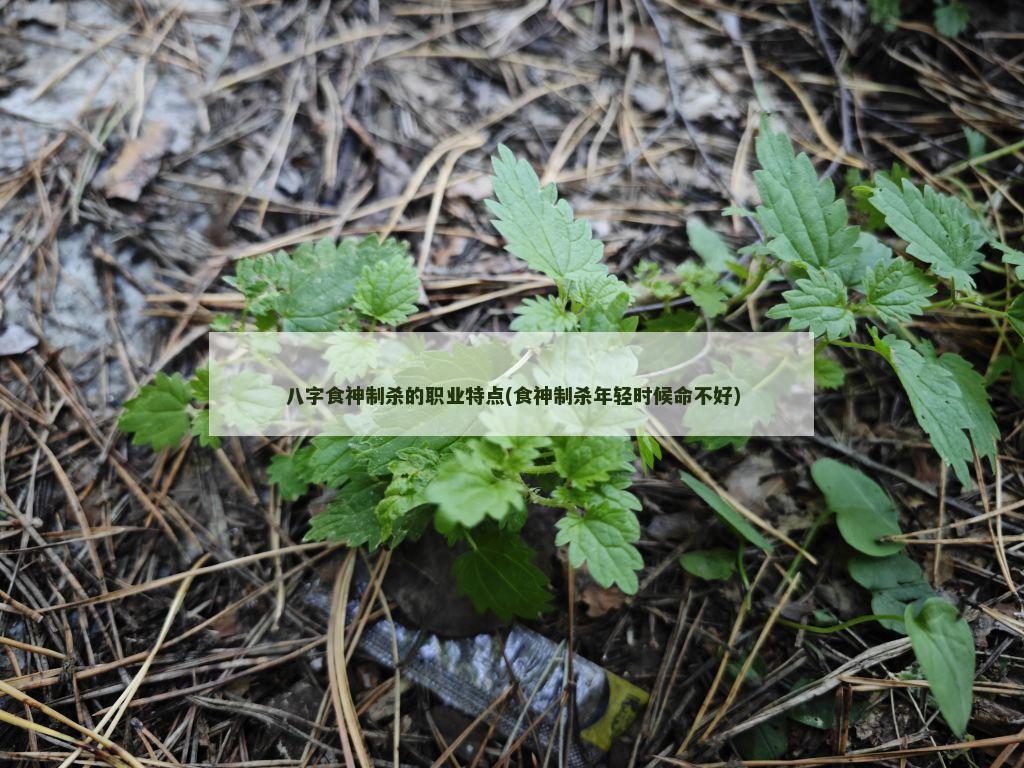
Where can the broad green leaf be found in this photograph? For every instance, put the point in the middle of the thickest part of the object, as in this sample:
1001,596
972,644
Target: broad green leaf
939,403
894,582
251,402
538,227
602,538
828,374
981,425
951,18
466,490
543,313
765,741
158,416
897,290
588,461
818,302
498,575
710,564
349,517
864,512
709,245
801,215
387,291
733,518
944,647
939,230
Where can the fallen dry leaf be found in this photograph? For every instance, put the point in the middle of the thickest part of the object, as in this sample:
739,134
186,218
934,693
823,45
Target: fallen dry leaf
136,164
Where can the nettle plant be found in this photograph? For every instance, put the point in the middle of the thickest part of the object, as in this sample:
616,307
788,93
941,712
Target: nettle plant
477,491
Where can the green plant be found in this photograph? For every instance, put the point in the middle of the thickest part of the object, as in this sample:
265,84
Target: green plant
849,289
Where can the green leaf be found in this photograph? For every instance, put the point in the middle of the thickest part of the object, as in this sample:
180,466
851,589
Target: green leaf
765,741
290,472
498,575
801,215
710,564
699,283
158,416
894,583
939,229
312,288
828,374
590,460
709,245
466,489
411,473
733,518
602,538
819,303
897,290
543,313
199,386
945,411
944,647
387,291
885,12
349,518
1015,315
1011,257
981,425
200,429
951,19
864,512
538,227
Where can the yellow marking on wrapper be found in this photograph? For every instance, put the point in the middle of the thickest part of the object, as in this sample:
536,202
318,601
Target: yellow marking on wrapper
625,701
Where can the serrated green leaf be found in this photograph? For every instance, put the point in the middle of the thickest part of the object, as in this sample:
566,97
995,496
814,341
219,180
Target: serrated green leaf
591,460
980,425
944,647
1015,315
543,313
387,291
199,386
818,302
939,229
466,489
158,416
200,428
411,473
602,538
290,472
349,517
498,575
699,283
538,227
894,582
710,564
733,518
828,374
801,215
1012,257
951,18
897,290
938,403
864,512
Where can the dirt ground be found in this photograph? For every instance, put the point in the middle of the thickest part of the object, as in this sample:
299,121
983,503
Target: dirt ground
146,146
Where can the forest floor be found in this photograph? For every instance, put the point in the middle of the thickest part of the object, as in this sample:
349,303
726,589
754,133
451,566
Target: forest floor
145,147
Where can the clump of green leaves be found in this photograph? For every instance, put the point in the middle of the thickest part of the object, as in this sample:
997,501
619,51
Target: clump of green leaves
951,18
941,638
